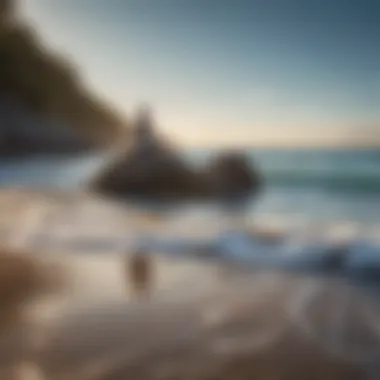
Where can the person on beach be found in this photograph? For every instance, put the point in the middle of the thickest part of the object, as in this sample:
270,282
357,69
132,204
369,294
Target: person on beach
139,274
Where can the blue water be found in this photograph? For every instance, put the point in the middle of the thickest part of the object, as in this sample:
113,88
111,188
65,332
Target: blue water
307,184
325,185
53,172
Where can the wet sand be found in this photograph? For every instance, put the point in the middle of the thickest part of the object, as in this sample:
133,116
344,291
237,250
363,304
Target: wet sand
198,323
72,221
199,319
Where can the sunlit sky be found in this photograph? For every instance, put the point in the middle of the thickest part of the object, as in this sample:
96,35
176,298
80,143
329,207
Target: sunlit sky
239,72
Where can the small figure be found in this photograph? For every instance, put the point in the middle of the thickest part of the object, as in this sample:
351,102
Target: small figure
139,273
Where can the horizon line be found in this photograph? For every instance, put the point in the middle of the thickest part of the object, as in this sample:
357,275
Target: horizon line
284,146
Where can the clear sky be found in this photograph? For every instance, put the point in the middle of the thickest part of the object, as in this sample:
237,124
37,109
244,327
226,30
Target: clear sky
241,72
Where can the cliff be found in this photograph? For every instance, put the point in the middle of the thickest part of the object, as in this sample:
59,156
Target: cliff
44,106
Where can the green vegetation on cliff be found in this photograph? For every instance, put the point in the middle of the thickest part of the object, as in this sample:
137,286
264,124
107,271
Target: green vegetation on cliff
48,85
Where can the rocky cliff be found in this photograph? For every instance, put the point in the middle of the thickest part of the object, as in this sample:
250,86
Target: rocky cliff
44,105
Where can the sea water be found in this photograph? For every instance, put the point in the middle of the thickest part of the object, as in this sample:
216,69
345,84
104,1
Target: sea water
326,188
308,185
316,185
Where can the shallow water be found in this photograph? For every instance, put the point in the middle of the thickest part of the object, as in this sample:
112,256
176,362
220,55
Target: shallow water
306,218
44,171
302,185
325,185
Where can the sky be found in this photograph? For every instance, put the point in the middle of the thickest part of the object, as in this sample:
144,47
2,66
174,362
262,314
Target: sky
229,72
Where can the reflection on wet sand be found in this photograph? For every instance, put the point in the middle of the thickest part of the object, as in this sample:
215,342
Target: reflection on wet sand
24,279
197,324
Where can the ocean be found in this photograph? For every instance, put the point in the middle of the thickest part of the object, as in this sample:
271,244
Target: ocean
304,185
319,185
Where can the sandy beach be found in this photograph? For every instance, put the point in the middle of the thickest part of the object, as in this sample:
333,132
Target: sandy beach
201,318
205,321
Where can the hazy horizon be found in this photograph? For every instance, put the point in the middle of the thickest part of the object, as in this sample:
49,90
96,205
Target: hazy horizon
241,73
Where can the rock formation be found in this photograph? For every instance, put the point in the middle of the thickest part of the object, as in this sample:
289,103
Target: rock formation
152,168
45,107
149,168
232,176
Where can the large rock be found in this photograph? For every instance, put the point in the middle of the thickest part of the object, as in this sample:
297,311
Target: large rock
154,169
154,173
232,176
161,172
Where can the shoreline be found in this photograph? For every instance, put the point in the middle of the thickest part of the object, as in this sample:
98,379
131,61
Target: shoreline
82,216
79,223
216,313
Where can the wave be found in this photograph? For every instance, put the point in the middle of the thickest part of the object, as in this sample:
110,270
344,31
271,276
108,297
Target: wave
355,181
342,170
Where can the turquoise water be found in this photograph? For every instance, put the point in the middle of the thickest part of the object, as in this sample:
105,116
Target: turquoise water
306,184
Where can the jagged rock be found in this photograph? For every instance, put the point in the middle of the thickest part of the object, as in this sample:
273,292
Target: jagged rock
154,169
158,173
163,173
